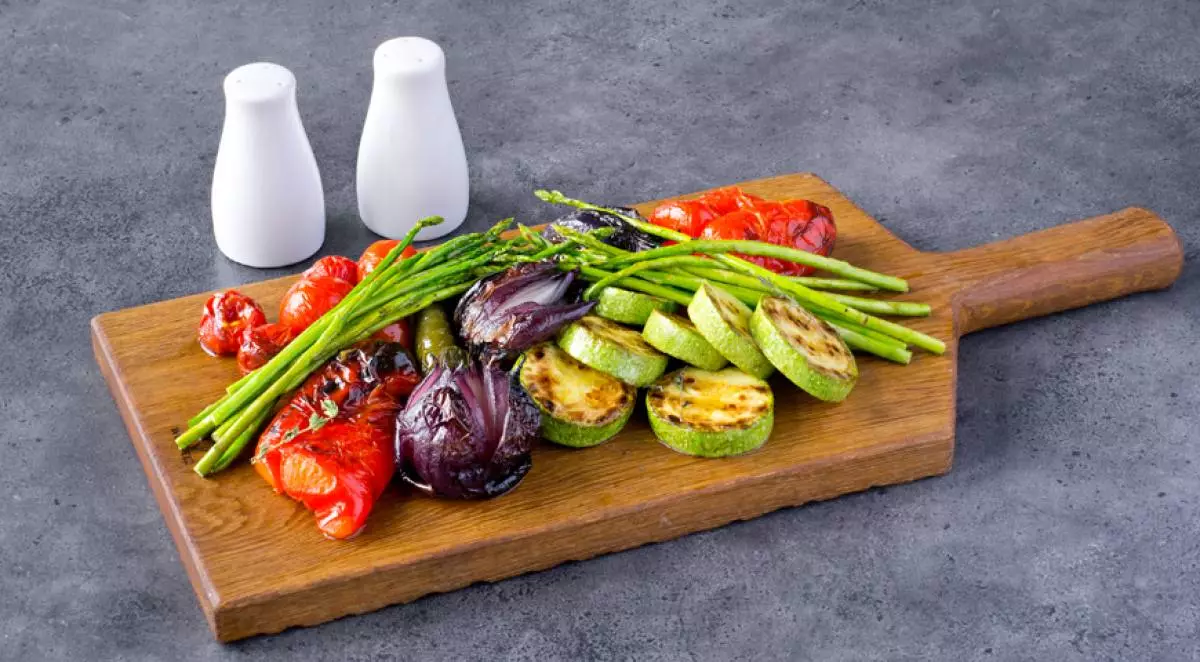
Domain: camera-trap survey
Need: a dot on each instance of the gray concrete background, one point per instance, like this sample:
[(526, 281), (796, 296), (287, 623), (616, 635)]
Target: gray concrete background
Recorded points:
[(1068, 528)]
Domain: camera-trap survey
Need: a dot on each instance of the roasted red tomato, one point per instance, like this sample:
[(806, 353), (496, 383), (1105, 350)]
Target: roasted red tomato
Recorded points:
[(810, 227), (226, 317), (260, 344), (331, 446), (742, 224), (687, 216), (375, 254), (336, 266), (800, 224), (398, 332), (729, 199), (309, 298)]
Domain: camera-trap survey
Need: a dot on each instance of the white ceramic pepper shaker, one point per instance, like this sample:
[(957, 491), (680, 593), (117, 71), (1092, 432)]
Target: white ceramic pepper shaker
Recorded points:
[(411, 161), (268, 207)]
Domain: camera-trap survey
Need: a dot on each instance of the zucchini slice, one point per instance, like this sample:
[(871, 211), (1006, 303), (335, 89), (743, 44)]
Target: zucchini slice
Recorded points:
[(676, 336), (711, 414), (614, 349), (580, 406), (629, 307), (804, 348), (725, 324)]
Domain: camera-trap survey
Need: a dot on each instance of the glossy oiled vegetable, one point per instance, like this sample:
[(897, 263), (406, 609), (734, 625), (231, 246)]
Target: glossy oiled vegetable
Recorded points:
[(330, 446), (517, 308), (336, 266), (730, 213), (804, 348), (711, 414), (613, 349), (623, 236), (375, 253), (260, 344), (435, 341), (725, 324), (310, 298), (580, 406), (227, 316), (466, 433), (629, 307), (675, 335)]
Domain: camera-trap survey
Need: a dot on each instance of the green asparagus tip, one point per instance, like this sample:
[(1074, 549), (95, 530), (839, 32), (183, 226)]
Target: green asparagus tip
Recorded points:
[(430, 221)]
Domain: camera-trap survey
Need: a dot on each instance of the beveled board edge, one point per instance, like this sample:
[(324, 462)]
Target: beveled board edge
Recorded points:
[(205, 591)]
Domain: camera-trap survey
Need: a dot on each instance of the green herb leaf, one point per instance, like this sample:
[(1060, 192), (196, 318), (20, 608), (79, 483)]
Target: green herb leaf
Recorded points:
[(329, 407), (316, 422)]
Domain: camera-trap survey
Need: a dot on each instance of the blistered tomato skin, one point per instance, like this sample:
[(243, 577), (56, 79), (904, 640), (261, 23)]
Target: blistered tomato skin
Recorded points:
[(818, 234), (687, 216), (375, 254), (227, 315), (260, 344), (336, 266), (743, 225), (730, 199), (730, 213), (309, 298)]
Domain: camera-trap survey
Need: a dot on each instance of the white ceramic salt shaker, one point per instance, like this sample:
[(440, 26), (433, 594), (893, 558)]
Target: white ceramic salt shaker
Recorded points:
[(268, 207), (411, 161)]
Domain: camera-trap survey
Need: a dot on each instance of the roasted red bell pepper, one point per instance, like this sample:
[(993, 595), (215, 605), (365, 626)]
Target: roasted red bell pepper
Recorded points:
[(331, 446)]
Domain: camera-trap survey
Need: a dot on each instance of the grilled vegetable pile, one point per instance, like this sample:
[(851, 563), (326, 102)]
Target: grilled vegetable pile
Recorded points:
[(551, 335)]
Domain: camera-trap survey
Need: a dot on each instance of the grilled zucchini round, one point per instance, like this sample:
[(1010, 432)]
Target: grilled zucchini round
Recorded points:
[(629, 307), (676, 336), (804, 348), (613, 349), (711, 414), (724, 322), (580, 406)]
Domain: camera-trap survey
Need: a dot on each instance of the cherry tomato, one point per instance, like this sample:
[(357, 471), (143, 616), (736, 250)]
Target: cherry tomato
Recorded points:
[(226, 317), (398, 332), (309, 298), (820, 234), (729, 199), (260, 344), (742, 224), (336, 266), (375, 254), (803, 225), (687, 216)]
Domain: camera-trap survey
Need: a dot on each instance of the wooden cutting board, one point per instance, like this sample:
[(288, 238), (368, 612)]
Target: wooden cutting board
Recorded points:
[(259, 565)]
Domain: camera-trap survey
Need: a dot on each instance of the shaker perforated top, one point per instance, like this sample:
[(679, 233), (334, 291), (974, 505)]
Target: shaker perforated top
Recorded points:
[(259, 82)]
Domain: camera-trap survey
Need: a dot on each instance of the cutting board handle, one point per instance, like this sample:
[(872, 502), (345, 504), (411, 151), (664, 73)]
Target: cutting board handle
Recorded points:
[(1073, 265)]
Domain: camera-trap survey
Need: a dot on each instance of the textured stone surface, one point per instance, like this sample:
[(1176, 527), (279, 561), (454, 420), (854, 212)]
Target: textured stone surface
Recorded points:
[(1068, 529)]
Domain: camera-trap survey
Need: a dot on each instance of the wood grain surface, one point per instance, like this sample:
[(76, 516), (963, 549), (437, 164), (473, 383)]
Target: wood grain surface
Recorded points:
[(259, 565)]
